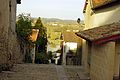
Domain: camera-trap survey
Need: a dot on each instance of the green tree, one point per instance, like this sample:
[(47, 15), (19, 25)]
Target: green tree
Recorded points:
[(23, 27), (42, 29), (42, 36)]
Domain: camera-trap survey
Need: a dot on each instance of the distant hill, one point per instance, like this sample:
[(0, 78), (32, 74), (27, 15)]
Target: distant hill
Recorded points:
[(55, 27), (57, 20), (46, 20)]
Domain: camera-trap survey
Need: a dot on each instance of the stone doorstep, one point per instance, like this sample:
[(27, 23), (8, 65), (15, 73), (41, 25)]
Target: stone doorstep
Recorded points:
[(8, 72), (116, 77), (83, 77), (79, 78)]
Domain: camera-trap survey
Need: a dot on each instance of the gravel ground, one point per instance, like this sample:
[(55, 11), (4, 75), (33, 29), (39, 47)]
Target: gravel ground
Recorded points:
[(42, 72)]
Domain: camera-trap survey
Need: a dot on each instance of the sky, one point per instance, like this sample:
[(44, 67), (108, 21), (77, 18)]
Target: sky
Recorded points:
[(62, 9)]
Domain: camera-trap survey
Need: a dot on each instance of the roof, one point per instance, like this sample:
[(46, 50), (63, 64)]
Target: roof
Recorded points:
[(85, 6), (101, 34), (99, 3), (34, 34), (70, 37)]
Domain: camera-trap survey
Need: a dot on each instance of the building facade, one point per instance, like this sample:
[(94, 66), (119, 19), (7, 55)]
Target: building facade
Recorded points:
[(101, 61)]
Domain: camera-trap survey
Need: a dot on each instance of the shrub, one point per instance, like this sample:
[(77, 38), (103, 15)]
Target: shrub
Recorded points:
[(41, 58)]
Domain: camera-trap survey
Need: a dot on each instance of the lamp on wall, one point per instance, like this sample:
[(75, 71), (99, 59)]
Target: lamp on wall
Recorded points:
[(78, 20), (18, 1)]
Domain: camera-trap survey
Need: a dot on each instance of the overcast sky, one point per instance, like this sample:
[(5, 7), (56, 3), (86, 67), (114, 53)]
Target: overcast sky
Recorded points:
[(63, 9)]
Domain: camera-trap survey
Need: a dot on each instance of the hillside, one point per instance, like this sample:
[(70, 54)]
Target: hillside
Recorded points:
[(46, 20), (55, 27), (59, 25)]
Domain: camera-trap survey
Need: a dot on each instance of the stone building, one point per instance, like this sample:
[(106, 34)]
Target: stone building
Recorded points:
[(9, 47), (100, 50)]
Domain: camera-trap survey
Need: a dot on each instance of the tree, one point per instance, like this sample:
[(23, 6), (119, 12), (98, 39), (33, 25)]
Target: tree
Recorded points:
[(23, 27), (42, 36)]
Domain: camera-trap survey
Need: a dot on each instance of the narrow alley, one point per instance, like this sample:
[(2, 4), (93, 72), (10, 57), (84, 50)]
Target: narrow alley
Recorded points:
[(43, 72), (60, 40)]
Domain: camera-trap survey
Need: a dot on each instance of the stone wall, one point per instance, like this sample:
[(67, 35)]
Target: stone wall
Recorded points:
[(4, 24), (9, 47), (13, 45)]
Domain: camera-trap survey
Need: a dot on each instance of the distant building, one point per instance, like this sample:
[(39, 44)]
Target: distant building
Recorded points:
[(71, 48), (33, 38)]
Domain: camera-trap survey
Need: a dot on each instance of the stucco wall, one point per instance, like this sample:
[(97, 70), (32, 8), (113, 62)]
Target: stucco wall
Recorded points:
[(85, 54), (117, 58), (85, 47), (106, 16), (99, 17), (96, 18), (88, 16), (102, 61)]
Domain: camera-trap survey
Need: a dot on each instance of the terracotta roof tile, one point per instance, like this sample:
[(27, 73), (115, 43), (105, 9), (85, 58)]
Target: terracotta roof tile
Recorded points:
[(85, 6), (98, 3), (100, 32), (71, 37), (34, 34)]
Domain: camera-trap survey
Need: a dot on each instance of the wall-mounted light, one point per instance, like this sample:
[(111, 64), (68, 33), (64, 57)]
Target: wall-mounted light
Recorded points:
[(18, 1), (78, 20)]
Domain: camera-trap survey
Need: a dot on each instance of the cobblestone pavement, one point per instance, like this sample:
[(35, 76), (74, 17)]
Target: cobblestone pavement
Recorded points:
[(75, 73), (61, 73), (42, 72)]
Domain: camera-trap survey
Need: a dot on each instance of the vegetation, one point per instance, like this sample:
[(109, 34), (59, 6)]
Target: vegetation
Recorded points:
[(42, 36), (50, 30), (55, 27), (58, 25), (23, 27), (49, 54), (41, 56)]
